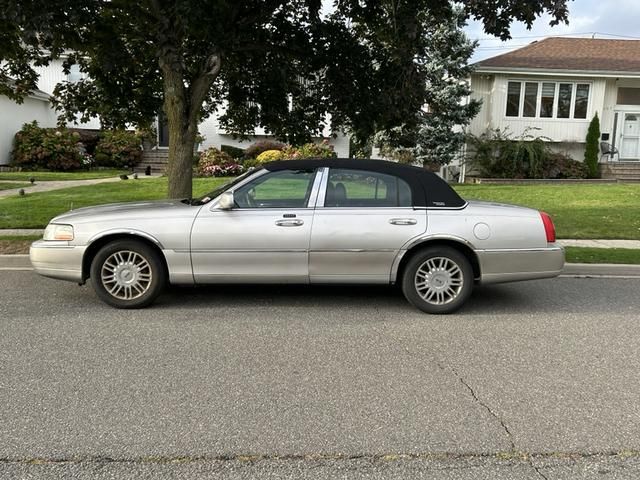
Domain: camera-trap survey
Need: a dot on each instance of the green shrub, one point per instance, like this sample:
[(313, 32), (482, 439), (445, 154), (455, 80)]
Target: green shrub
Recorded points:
[(496, 154), (46, 148), (215, 163), (118, 149), (262, 146), (234, 152), (592, 148), (270, 156)]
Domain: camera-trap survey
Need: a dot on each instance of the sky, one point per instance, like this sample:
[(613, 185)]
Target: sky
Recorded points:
[(605, 18)]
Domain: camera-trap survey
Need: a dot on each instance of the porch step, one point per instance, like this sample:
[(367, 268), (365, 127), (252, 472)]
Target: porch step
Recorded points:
[(623, 171)]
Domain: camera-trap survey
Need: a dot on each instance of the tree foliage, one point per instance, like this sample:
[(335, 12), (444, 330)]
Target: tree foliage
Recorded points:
[(275, 64)]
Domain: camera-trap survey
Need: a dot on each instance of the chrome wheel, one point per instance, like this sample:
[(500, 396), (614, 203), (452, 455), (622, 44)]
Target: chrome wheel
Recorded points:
[(126, 275), (439, 280)]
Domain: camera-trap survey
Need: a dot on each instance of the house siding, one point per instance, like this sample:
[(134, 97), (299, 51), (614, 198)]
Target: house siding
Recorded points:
[(14, 115)]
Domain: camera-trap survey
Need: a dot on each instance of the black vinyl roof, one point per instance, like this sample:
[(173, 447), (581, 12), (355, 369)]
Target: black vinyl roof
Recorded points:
[(427, 188)]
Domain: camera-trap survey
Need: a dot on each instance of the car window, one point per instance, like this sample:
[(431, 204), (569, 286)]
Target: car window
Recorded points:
[(360, 188), (281, 189)]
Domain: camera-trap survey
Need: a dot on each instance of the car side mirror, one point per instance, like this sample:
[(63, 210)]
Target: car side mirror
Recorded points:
[(226, 201)]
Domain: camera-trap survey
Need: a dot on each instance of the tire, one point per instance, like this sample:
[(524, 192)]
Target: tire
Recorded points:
[(438, 280), (128, 274)]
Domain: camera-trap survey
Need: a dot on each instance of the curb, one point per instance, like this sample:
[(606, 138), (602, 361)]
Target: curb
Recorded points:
[(601, 270), (21, 262)]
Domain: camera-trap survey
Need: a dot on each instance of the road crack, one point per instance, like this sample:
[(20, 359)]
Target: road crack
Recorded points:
[(480, 402)]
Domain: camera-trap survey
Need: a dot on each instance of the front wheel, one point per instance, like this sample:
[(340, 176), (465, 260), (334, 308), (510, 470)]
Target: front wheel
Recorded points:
[(127, 274), (438, 280)]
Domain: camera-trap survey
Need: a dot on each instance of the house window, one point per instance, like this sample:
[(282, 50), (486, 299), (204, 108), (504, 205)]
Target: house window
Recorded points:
[(547, 100), (582, 101), (566, 100), (513, 99), (530, 99), (628, 96)]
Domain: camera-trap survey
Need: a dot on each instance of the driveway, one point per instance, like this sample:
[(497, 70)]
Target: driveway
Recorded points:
[(529, 380)]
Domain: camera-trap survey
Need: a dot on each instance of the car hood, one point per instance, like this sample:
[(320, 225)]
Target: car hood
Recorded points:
[(151, 208)]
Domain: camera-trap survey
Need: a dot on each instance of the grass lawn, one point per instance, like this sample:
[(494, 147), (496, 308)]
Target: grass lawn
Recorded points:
[(36, 209), (602, 255), (11, 186), (583, 211), (48, 176)]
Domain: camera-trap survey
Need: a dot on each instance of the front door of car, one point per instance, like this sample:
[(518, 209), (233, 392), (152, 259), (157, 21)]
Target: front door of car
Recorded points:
[(263, 239), (362, 221)]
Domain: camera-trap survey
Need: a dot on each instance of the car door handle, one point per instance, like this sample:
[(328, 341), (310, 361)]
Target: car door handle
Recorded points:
[(403, 221), (289, 223)]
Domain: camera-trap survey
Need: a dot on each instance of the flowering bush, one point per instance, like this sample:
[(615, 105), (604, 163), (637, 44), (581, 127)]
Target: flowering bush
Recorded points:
[(270, 156), (309, 150), (224, 170), (48, 148), (118, 148), (214, 163)]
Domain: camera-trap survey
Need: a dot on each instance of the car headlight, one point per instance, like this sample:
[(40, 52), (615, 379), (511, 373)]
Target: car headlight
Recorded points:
[(58, 232)]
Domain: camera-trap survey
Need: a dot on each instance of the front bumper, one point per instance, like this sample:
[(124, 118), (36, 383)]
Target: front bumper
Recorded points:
[(512, 265), (57, 260)]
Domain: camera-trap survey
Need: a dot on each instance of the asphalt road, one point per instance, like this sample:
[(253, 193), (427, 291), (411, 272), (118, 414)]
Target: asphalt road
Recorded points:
[(531, 380)]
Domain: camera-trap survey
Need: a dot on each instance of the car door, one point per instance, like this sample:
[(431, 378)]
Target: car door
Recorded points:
[(264, 238), (362, 220)]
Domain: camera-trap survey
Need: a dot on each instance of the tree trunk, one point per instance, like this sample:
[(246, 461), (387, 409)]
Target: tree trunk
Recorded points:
[(182, 135)]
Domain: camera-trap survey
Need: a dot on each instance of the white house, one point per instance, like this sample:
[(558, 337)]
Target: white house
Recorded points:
[(556, 86)]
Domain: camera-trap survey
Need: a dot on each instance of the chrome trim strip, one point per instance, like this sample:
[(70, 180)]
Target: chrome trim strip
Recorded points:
[(214, 250), (516, 250), (323, 187), (315, 189), (127, 231), (425, 238), (353, 250)]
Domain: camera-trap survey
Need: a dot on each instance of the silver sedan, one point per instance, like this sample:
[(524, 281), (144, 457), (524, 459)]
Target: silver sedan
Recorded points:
[(305, 221)]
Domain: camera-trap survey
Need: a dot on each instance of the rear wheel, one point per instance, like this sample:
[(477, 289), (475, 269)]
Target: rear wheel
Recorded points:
[(127, 274), (438, 280)]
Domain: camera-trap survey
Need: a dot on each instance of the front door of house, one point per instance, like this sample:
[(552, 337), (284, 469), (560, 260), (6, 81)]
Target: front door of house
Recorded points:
[(630, 140)]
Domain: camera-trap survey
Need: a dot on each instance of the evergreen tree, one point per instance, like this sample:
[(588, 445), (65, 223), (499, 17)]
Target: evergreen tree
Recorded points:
[(592, 148), (435, 135)]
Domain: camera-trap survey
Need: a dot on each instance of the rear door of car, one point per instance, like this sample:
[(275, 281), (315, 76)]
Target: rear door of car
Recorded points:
[(362, 219)]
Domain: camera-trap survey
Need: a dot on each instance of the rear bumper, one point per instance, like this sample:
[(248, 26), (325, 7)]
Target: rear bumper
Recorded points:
[(57, 260), (513, 265)]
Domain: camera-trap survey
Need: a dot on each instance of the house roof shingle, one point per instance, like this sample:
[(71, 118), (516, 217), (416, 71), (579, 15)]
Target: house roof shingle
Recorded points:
[(579, 54)]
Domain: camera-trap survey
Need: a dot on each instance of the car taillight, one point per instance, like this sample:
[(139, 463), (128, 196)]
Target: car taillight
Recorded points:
[(549, 229)]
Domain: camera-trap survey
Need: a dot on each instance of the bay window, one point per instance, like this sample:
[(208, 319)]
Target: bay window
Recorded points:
[(562, 100)]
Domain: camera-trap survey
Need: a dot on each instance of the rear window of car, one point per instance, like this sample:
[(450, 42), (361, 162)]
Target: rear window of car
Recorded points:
[(362, 188)]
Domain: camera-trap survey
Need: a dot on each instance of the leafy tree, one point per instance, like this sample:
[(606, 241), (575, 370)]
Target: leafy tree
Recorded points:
[(271, 63), (592, 148)]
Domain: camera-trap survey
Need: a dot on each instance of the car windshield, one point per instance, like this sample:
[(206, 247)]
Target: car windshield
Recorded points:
[(214, 193)]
